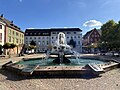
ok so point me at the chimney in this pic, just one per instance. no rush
(11, 21)
(2, 15)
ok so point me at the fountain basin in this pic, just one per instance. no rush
(37, 66)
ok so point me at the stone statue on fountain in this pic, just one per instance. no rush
(61, 49)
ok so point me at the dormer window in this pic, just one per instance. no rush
(34, 33)
(26, 34)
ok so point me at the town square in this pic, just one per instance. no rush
(59, 45)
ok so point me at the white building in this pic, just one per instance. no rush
(2, 30)
(45, 38)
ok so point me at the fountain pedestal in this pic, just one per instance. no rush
(59, 61)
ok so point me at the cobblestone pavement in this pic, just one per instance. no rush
(109, 81)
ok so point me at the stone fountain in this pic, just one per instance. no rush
(61, 49)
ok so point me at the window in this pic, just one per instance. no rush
(9, 39)
(0, 26)
(26, 41)
(52, 37)
(13, 32)
(34, 33)
(38, 37)
(16, 40)
(30, 37)
(17, 34)
(78, 42)
(74, 36)
(67, 37)
(47, 42)
(34, 37)
(13, 40)
(20, 40)
(45, 33)
(9, 31)
(53, 32)
(26, 34)
(39, 42)
(91, 39)
(42, 37)
(26, 38)
(74, 32)
(47, 37)
(68, 32)
(38, 33)
(43, 42)
(95, 39)
(78, 36)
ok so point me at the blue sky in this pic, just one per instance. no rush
(85, 14)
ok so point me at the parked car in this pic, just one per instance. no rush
(30, 51)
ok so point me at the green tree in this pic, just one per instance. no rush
(31, 47)
(9, 46)
(72, 42)
(6, 46)
(108, 30)
(12, 46)
(108, 34)
(33, 43)
(110, 38)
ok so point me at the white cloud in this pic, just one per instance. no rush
(92, 23)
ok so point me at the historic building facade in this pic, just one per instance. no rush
(91, 38)
(45, 38)
(10, 33)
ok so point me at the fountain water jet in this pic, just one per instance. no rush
(60, 48)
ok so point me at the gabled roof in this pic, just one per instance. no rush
(87, 34)
(10, 24)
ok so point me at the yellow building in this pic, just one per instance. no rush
(12, 34)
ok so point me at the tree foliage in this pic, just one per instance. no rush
(31, 47)
(6, 46)
(73, 43)
(33, 43)
(110, 38)
(12, 45)
(9, 46)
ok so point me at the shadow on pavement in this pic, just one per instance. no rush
(17, 77)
